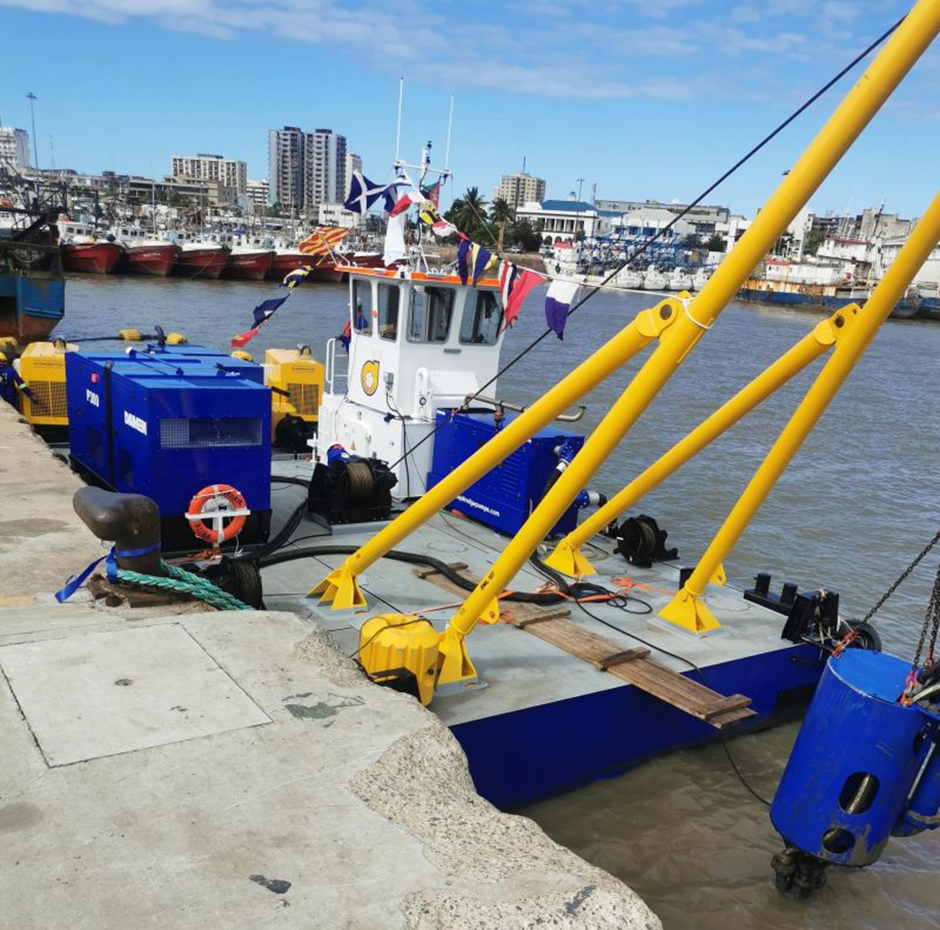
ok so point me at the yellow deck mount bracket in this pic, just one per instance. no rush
(686, 608)
(340, 589)
(567, 557)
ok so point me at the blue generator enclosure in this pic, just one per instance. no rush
(504, 497)
(167, 425)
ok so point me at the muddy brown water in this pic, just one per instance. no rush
(858, 502)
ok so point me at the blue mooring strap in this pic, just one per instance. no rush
(111, 568)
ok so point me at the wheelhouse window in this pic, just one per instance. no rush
(362, 307)
(431, 311)
(482, 317)
(389, 296)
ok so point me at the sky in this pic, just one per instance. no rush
(647, 99)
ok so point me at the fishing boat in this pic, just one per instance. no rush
(91, 254)
(655, 280)
(680, 280)
(286, 259)
(248, 262)
(201, 258)
(32, 284)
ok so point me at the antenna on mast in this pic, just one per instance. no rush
(450, 123)
(401, 93)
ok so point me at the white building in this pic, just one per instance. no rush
(519, 189)
(564, 220)
(14, 148)
(647, 220)
(229, 172)
(353, 163)
(306, 169)
(258, 192)
(334, 214)
(285, 168)
(324, 168)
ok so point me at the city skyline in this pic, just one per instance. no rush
(663, 138)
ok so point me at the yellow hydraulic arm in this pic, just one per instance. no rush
(687, 609)
(861, 103)
(567, 557)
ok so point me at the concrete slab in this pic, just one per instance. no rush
(353, 808)
(91, 695)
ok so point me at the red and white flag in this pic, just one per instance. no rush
(515, 284)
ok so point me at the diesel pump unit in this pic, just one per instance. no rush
(296, 382)
(42, 367)
(189, 428)
(505, 496)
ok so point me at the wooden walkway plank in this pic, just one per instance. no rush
(632, 666)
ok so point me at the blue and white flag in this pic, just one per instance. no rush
(363, 193)
(561, 295)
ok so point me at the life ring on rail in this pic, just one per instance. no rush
(211, 503)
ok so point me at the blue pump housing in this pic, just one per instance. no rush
(505, 496)
(864, 767)
(166, 424)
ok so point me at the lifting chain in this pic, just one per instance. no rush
(930, 625)
(851, 635)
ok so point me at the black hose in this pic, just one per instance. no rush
(411, 558)
(290, 479)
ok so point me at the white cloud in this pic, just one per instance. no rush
(660, 49)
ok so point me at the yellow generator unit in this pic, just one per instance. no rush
(296, 381)
(42, 367)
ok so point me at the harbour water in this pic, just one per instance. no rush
(851, 512)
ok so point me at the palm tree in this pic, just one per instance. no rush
(501, 212)
(468, 213)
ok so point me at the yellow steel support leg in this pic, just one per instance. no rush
(340, 587)
(567, 557)
(862, 102)
(687, 609)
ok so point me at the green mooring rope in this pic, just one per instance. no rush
(178, 579)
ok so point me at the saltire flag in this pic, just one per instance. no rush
(293, 278)
(515, 284)
(262, 313)
(322, 240)
(363, 193)
(463, 260)
(433, 193)
(558, 301)
(480, 260)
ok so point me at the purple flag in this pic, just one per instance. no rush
(561, 295)
(463, 259)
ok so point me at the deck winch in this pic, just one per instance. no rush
(865, 767)
(168, 423)
(350, 489)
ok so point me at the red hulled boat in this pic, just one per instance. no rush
(287, 260)
(91, 256)
(249, 263)
(154, 258)
(201, 260)
(328, 268)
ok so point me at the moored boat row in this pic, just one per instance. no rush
(89, 251)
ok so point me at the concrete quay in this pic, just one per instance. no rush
(233, 769)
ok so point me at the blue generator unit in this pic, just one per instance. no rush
(505, 496)
(170, 424)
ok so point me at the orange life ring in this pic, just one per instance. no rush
(216, 494)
